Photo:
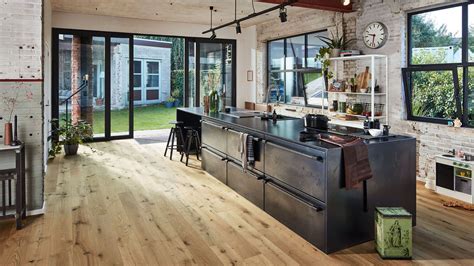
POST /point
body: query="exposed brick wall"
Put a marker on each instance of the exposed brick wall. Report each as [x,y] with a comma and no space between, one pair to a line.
[432,139]
[21,58]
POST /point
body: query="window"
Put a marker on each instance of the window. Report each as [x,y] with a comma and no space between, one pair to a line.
[440,72]
[153,74]
[294,77]
[137,74]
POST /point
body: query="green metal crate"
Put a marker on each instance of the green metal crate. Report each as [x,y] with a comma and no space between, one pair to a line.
[393,233]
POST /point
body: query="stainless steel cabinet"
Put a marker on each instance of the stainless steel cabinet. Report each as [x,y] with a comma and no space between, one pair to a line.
[304,172]
[247,184]
[214,164]
[214,135]
[303,217]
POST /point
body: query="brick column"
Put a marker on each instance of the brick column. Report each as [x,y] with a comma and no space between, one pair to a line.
[76,79]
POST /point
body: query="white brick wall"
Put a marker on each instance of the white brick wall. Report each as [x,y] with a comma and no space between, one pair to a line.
[432,139]
[21,58]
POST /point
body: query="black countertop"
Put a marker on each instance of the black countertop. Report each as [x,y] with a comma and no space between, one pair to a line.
[288,129]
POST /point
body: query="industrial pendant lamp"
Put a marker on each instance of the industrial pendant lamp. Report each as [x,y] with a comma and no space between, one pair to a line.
[283,15]
[213,36]
[238,29]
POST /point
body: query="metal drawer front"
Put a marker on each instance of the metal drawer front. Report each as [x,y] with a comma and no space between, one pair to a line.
[303,172]
[214,164]
[463,185]
[233,143]
[302,217]
[246,184]
[214,136]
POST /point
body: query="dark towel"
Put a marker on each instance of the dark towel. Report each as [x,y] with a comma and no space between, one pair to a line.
[356,159]
[250,151]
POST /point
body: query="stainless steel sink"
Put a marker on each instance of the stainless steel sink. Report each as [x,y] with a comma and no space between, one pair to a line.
[243,114]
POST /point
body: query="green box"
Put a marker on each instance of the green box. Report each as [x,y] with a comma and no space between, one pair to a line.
[393,233]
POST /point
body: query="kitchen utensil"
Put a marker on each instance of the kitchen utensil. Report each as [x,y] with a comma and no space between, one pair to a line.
[386,130]
[316,121]
[375,132]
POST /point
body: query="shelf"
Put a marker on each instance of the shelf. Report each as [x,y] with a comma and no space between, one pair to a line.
[465,177]
[358,93]
[347,123]
[358,116]
[358,57]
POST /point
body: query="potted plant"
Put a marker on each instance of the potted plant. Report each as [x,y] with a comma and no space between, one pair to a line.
[176,95]
[170,102]
[323,57]
[69,136]
[336,44]
[9,103]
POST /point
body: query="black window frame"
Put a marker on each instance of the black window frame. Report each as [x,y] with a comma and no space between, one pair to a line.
[462,107]
[303,70]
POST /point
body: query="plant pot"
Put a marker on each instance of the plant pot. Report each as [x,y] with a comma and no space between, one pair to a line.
[169,104]
[71,149]
[177,103]
[335,52]
[8,133]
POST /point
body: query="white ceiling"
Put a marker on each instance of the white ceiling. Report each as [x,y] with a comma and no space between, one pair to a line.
[189,11]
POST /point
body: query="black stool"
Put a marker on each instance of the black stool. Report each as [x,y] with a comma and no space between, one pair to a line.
[192,136]
[175,132]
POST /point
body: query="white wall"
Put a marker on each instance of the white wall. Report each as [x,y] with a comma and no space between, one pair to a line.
[246,61]
[47,16]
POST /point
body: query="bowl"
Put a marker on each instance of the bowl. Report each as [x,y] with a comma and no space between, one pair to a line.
[375,132]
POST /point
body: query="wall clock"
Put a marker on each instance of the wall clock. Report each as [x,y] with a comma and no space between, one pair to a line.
[375,35]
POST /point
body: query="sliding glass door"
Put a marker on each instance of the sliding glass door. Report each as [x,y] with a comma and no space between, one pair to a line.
[211,66]
[91,82]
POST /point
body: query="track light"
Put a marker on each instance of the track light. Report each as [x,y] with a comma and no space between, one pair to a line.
[346,2]
[238,29]
[283,15]
[213,36]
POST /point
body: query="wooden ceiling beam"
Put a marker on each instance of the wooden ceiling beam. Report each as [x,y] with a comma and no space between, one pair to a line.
[329,5]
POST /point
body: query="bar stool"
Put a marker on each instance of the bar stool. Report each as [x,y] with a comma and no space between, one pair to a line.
[175,132]
[192,137]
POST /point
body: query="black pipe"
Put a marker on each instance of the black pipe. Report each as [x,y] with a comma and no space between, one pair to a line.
[287,3]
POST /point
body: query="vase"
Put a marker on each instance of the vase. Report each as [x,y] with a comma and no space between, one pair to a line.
[8,133]
[213,102]
[71,149]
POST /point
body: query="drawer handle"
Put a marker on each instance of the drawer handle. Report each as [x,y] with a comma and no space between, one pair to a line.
[317,158]
[317,208]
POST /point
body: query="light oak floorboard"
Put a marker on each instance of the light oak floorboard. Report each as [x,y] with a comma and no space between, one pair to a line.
[121,203]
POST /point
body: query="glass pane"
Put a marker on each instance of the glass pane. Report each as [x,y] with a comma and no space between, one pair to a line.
[314,44]
[470,96]
[191,96]
[80,57]
[433,94]
[119,86]
[314,86]
[276,55]
[153,67]
[471,33]
[137,81]
[152,81]
[276,85]
[211,68]
[295,53]
[137,67]
[294,88]
[436,36]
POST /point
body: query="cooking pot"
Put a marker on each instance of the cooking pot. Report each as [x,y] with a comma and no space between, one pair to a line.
[316,121]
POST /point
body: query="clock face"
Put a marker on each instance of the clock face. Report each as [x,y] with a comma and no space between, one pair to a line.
[375,35]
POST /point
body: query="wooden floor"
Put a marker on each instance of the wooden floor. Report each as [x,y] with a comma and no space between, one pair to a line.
[124,203]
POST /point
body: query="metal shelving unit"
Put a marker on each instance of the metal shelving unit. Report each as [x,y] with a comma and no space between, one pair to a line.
[375,72]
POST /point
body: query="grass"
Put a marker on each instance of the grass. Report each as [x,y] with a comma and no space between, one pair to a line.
[145,118]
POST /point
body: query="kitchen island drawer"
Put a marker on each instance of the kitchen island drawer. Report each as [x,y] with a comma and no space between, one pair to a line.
[303,217]
[302,171]
[233,144]
[249,185]
[214,164]
[214,135]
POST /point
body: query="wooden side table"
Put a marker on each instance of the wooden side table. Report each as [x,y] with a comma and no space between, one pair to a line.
[16,174]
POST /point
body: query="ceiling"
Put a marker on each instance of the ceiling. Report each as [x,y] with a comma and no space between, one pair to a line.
[189,11]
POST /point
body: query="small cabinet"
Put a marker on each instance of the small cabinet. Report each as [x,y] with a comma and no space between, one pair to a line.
[214,135]
[445,176]
[301,216]
[303,171]
[247,184]
[214,164]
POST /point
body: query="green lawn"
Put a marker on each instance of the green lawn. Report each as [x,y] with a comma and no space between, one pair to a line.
[145,118]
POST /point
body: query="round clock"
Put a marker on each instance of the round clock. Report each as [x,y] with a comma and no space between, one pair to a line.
[375,35]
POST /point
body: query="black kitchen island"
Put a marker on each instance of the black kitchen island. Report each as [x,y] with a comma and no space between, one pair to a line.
[301,183]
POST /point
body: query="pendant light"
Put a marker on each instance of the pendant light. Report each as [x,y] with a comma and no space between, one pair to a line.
[213,36]
[283,15]
[238,29]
